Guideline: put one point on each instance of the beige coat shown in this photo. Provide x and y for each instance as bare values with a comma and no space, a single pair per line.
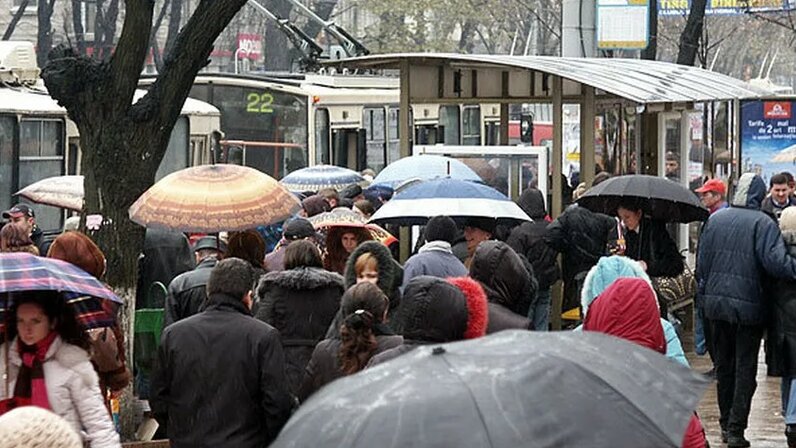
72,389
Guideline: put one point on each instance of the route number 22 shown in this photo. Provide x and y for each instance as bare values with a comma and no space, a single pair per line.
259,103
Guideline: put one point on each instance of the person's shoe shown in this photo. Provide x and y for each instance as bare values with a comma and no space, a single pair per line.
790,433
737,441
724,435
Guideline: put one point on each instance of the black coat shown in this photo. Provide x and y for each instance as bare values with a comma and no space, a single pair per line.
187,292
220,380
653,245
167,254
528,240
582,237
781,339
324,366
301,304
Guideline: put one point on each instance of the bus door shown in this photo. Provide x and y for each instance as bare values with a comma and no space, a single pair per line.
508,169
348,147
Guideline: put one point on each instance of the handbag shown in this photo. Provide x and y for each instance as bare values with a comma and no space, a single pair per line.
674,290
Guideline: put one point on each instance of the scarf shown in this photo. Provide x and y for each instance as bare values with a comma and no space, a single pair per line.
30,388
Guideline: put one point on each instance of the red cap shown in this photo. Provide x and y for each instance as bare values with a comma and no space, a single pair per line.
713,186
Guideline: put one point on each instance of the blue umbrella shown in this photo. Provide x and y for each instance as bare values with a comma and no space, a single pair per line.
424,167
318,177
450,197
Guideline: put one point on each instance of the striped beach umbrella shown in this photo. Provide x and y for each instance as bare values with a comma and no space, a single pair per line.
214,198
318,177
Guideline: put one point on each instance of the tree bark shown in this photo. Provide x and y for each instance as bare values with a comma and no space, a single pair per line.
109,28
44,39
77,25
14,20
692,33
175,20
651,52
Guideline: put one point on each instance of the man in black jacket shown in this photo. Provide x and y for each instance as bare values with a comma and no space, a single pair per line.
220,380
187,291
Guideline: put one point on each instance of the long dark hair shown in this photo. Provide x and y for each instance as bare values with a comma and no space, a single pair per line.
56,309
336,255
363,306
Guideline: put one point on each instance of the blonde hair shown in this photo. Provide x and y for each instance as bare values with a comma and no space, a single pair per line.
365,262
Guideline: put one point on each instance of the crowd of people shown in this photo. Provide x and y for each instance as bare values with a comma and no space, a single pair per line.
253,328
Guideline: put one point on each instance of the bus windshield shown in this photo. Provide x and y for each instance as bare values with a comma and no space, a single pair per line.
264,129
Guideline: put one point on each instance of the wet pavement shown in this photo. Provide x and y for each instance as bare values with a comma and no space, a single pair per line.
766,427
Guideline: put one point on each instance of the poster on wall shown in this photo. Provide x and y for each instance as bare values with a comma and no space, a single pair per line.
768,137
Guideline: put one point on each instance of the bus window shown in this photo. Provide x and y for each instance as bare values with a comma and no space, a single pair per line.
176,157
375,141
41,155
471,129
263,118
492,133
7,187
393,137
426,134
322,150
449,125
73,156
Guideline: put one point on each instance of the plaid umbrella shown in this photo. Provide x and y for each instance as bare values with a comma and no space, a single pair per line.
319,177
85,295
343,217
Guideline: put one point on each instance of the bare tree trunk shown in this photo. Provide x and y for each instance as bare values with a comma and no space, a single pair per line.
175,20
14,20
277,52
77,24
651,52
466,40
692,33
99,28
44,39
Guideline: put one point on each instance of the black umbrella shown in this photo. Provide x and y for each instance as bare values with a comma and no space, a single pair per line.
660,198
510,389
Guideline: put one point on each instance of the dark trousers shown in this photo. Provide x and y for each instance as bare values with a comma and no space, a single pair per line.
735,350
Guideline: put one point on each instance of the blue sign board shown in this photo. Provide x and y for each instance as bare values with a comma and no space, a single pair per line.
768,136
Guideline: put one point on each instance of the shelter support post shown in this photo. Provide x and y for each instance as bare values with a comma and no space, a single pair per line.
557,200
405,136
587,149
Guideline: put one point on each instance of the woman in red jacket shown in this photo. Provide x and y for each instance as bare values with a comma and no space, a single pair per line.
628,309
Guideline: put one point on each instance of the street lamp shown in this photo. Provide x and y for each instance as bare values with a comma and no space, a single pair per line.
237,52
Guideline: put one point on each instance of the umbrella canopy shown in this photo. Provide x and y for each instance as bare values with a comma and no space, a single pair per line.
343,217
214,198
458,199
318,177
59,191
510,389
658,197
424,167
21,272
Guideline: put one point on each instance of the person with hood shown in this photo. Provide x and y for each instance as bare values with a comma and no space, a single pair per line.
781,334
220,376
604,274
300,302
363,334
582,237
167,254
187,292
435,258
528,239
508,282
371,262
628,309
435,311
739,249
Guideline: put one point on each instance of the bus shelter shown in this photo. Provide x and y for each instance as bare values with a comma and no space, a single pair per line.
665,117
662,97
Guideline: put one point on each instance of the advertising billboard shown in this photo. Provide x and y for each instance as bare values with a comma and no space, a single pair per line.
768,136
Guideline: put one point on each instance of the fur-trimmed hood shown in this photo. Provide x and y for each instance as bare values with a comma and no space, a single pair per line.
434,310
389,269
606,272
299,278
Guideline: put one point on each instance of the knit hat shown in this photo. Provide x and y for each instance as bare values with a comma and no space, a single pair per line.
77,248
604,273
787,220
441,228
33,427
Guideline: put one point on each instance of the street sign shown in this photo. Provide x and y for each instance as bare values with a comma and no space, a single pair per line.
622,24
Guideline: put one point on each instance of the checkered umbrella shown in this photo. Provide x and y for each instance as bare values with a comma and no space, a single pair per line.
92,302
